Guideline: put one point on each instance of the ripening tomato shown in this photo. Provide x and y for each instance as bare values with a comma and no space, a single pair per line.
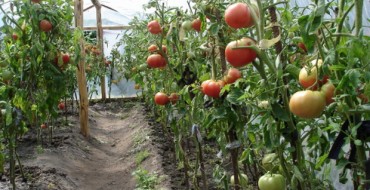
156,61
164,49
307,76
43,126
45,25
186,25
211,88
328,89
239,57
196,24
233,74
36,1
137,87
154,27
152,48
161,98
307,104
272,182
238,15
173,98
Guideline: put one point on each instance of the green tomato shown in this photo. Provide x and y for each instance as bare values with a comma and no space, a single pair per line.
268,161
271,182
186,25
7,75
243,180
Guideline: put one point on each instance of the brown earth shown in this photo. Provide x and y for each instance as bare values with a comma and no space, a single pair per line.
119,134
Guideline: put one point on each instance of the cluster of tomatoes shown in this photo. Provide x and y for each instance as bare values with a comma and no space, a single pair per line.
162,99
213,88
310,103
157,59
238,53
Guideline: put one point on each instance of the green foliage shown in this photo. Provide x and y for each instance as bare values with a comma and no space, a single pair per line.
145,180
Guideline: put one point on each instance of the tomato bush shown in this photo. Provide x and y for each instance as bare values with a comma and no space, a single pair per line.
303,72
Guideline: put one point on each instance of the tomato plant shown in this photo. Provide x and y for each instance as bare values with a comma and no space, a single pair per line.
283,103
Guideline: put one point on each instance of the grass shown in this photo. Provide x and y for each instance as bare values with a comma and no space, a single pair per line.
141,156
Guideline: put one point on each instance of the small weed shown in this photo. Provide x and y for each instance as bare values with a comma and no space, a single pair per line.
141,156
124,116
39,149
140,138
145,180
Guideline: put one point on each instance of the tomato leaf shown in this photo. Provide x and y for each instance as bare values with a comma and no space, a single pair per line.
292,70
234,95
297,173
321,161
279,112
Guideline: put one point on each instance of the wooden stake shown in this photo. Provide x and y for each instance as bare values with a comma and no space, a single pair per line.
100,43
81,77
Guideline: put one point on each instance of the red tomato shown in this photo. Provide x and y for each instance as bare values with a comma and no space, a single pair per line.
15,36
328,89
45,26
241,56
212,88
307,104
232,75
161,98
173,98
156,61
302,46
61,106
36,1
65,58
203,85
307,79
154,27
196,24
238,15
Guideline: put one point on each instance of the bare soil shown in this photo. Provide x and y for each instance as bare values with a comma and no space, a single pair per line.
119,130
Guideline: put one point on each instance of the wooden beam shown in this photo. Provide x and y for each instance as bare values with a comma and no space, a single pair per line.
108,27
81,77
100,40
108,7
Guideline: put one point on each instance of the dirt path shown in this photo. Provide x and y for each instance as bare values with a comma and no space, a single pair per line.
119,135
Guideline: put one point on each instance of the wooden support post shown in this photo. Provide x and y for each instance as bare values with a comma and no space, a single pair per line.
81,77
100,43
